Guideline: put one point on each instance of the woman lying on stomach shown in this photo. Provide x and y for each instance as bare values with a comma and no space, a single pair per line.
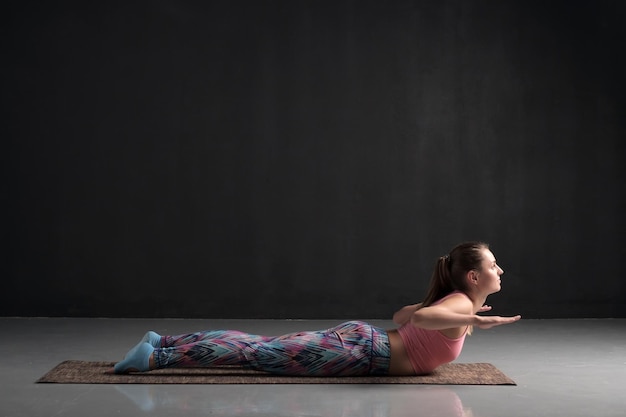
431,333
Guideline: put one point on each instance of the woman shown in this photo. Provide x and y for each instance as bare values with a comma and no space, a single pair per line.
430,334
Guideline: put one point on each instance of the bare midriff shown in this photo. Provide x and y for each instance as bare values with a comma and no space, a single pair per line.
400,363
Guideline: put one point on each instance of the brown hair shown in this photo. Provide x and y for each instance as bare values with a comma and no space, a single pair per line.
450,270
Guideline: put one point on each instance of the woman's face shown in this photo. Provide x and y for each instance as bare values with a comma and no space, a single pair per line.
489,274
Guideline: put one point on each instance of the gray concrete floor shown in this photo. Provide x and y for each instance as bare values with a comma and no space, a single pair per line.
562,367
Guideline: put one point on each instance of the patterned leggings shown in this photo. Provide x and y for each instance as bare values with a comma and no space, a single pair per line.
352,348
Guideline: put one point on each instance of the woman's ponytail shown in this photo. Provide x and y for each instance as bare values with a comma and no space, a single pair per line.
440,283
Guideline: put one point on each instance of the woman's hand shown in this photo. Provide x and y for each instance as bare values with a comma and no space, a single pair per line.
484,308
487,322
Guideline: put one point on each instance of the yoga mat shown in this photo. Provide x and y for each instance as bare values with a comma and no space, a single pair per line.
84,372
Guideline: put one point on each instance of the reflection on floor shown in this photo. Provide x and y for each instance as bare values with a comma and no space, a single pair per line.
304,401
562,367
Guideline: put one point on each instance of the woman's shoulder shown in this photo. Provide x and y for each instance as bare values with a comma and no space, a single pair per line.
457,301
460,295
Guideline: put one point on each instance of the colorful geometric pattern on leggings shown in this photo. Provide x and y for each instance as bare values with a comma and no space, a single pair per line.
343,350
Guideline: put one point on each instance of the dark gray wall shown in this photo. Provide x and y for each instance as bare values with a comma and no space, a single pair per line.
310,159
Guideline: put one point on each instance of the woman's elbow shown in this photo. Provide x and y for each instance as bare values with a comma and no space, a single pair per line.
418,319
398,318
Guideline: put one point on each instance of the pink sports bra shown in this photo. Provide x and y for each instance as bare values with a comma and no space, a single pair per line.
427,349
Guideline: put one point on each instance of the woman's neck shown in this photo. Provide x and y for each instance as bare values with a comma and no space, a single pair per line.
478,300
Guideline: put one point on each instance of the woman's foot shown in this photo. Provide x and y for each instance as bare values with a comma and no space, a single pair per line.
153,338
138,359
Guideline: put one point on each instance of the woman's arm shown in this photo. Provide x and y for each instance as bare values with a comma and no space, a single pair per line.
456,312
453,312
404,314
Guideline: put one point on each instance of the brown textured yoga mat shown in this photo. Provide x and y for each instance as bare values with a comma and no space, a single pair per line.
83,372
